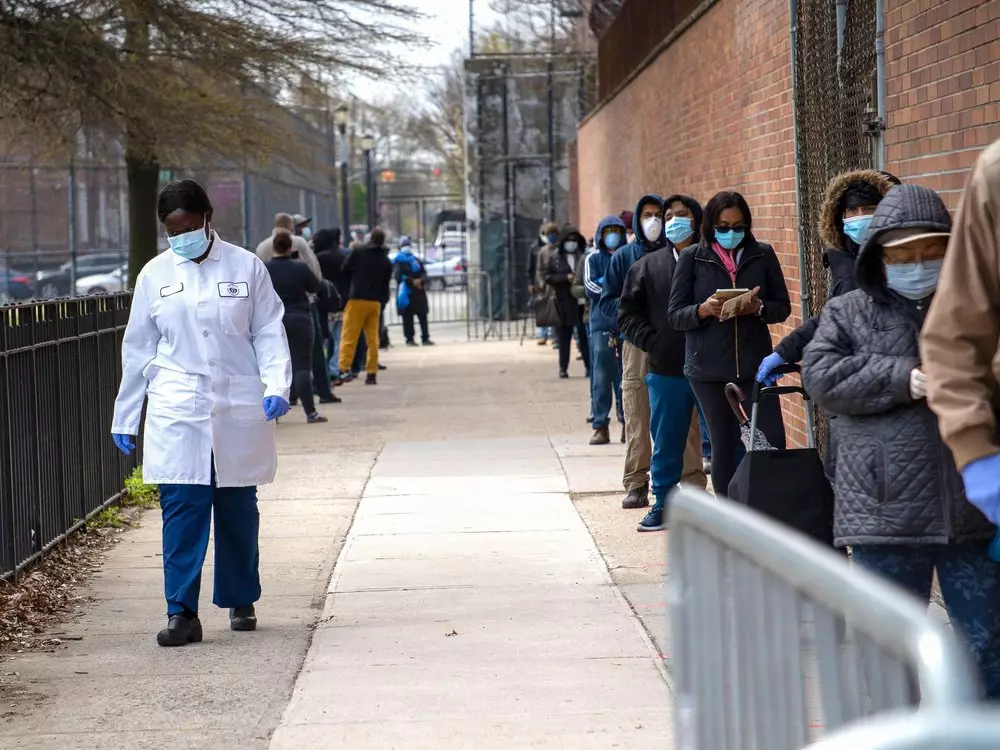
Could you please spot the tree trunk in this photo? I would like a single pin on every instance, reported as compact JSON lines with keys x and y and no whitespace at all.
{"x":143,"y":186}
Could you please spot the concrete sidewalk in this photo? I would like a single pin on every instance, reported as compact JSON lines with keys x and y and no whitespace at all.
{"x":470,"y":608}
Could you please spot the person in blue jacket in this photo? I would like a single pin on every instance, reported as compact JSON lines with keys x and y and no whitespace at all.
{"x":606,"y":372}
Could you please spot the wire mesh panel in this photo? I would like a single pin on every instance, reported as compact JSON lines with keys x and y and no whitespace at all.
{"x":834,"y":117}
{"x":778,"y":640}
{"x":59,"y":373}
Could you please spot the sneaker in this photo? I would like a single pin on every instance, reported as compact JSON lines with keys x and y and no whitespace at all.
{"x":180,"y":631}
{"x":600,"y":436}
{"x":411,"y":342}
{"x":590,"y":419}
{"x":542,"y":342}
{"x":428,"y":342}
{"x":243,"y":618}
{"x":655,"y":520}
{"x":316,"y":418}
{"x":333,"y":399}
{"x":382,"y":367}
{"x":636,"y":498}
{"x":623,"y":433}
{"x":706,"y":465}
{"x":371,"y":380}
{"x":563,"y":374}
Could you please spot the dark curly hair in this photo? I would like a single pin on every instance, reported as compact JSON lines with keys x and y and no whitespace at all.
{"x":186,"y":195}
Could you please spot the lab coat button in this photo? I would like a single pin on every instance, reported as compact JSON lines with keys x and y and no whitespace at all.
{"x":201,"y":304}
{"x":205,"y":334}
{"x":211,"y":363}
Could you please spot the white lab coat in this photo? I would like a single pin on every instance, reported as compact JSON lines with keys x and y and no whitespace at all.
{"x":205,"y":343}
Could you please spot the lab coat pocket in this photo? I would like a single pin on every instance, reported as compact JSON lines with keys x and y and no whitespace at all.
{"x":172,"y":394}
{"x":234,"y":315}
{"x":246,"y":399}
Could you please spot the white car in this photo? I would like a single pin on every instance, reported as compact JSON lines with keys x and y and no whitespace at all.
{"x":103,"y":283}
{"x":444,"y":273}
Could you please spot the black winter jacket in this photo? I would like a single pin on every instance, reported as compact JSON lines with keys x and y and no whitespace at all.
{"x":559,"y":273}
{"x":896,"y":482}
{"x":404,"y":273}
{"x":719,"y":351}
{"x":642,"y":313}
{"x":368,"y":271}
{"x":331,"y":263}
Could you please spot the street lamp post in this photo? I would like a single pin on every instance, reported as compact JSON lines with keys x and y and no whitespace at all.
{"x":340,"y":115}
{"x":367,"y":144}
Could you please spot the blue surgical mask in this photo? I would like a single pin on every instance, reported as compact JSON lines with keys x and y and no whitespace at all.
{"x":190,"y":245}
{"x":729,"y":238}
{"x":914,"y":281}
{"x":552,"y":238}
{"x":856,"y":226}
{"x":613,"y":240}
{"x":679,"y":228}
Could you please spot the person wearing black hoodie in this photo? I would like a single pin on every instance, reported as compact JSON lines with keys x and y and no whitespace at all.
{"x":647,"y":226}
{"x":559,"y":275}
{"x":721,"y":350}
{"x":643,"y":319}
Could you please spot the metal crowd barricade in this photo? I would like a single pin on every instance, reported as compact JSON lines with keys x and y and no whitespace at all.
{"x":963,"y":729}
{"x":778,"y":641}
{"x":466,"y":298}
{"x":60,"y":363}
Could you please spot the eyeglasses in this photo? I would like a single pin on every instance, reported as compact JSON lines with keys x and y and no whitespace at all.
{"x":727,"y":230}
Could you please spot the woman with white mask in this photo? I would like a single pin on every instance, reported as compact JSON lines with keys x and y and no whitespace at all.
{"x":206,"y":346}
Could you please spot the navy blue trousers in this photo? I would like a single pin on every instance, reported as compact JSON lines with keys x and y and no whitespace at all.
{"x":187,"y":518}
{"x":671,"y":407}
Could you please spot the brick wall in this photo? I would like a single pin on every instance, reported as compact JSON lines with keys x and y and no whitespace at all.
{"x":942,"y":89}
{"x":712,"y":112}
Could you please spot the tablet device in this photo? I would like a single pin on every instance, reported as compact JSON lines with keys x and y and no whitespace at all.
{"x":728,"y":294}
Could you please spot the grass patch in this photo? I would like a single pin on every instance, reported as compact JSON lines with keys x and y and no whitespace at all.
{"x":109,"y":518}
{"x":139,"y":494}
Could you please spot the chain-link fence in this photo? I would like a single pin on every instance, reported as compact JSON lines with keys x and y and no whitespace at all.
{"x":834,"y":115}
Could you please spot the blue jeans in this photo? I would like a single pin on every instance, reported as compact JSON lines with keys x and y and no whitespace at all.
{"x":706,"y":442}
{"x":605,"y":379}
{"x":970,"y":586}
{"x":671,"y":404}
{"x":336,"y":328}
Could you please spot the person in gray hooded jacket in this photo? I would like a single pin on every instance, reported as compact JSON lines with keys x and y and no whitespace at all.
{"x":899,"y":499}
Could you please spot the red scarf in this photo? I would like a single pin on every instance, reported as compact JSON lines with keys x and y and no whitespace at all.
{"x":728,"y":260}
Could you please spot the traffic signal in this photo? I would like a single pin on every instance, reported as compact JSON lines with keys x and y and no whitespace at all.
{"x":388,"y":175}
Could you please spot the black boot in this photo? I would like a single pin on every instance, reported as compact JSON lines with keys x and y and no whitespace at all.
{"x":636,"y":498}
{"x":243,"y":618}
{"x":180,"y":631}
{"x":371,"y":379}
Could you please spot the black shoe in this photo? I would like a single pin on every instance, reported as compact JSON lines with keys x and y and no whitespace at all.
{"x":655,"y":520}
{"x":293,"y":402}
{"x":411,"y":342}
{"x":542,"y":342}
{"x":243,"y":618}
{"x":371,"y":380}
{"x":428,"y":342}
{"x":180,"y":631}
{"x":637,"y":498}
{"x":334,"y":399}
{"x":600,"y":436}
{"x":563,"y":374}
{"x":382,"y":367}
{"x":316,"y":418}
{"x":590,"y":419}
{"x":623,"y":433}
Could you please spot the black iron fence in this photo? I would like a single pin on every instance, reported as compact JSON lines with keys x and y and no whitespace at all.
{"x":60,"y":364}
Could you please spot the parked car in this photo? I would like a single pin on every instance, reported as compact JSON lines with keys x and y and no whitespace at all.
{"x":56,"y":283}
{"x":103,"y":283}
{"x":448,"y":272}
{"x":15,"y":286}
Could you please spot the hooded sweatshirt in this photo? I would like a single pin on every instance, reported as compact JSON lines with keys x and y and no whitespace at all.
{"x":960,"y":337}
{"x":841,"y":253}
{"x":597,"y":264}
{"x":895,"y":482}
{"x":541,"y":259}
{"x":624,"y":257}
{"x":560,"y":267}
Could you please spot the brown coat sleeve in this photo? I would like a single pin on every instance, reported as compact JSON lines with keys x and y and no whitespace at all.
{"x":960,"y":336}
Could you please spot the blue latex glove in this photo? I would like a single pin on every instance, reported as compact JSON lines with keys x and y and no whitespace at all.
{"x":982,"y":486}
{"x":124,"y":443}
{"x":770,"y":363}
{"x":275,"y":407}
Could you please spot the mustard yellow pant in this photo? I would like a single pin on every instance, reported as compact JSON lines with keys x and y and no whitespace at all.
{"x":360,"y":315}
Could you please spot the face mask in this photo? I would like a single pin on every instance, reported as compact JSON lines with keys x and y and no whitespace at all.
{"x":914,"y":281}
{"x":612,"y":241}
{"x":190,"y":245}
{"x":856,"y":226}
{"x":570,"y":246}
{"x":651,"y":227}
{"x":552,"y":238}
{"x":730,"y":240}
{"x":307,"y":233}
{"x":679,"y":229}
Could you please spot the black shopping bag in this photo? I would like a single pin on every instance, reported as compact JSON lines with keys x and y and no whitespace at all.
{"x":546,"y":311}
{"x":790,"y":486}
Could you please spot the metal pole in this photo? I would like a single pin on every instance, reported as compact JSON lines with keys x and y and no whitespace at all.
{"x":472,"y":33}
{"x":880,"y":83}
{"x":345,"y":188}
{"x":508,"y":208}
{"x":72,"y":226}
{"x":246,"y":210}
{"x":330,"y":157}
{"x":550,"y":105}
{"x":370,"y":199}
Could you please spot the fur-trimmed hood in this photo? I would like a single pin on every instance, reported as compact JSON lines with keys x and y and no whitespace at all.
{"x":831,"y":220}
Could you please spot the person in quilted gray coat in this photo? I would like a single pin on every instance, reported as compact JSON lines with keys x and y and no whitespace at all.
{"x":899,"y":499}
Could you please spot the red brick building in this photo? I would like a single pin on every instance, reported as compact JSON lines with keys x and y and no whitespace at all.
{"x":709,"y":106}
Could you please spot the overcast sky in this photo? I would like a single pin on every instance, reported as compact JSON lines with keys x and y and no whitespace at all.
{"x":446,"y":26}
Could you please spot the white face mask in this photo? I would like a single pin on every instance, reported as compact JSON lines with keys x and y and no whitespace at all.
{"x":570,"y":246}
{"x":651,"y":227}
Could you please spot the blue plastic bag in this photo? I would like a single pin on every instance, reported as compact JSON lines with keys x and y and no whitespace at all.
{"x":402,"y":296}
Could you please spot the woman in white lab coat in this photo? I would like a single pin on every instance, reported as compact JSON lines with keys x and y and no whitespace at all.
{"x":206,"y":345}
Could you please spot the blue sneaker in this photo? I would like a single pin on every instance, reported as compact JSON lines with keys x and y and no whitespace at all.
{"x":655,"y":520}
